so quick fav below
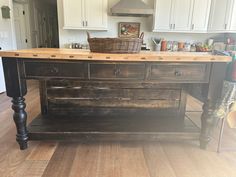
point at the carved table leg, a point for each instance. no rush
(206, 124)
(16, 89)
(20, 118)
(211, 93)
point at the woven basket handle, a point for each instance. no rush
(141, 35)
(88, 35)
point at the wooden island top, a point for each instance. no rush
(77, 54)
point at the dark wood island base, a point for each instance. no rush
(149, 88)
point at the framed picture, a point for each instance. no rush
(129, 29)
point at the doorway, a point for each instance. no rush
(36, 23)
(21, 22)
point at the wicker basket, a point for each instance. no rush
(115, 45)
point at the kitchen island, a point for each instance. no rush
(95, 96)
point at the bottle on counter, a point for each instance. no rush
(163, 45)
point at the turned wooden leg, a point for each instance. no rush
(16, 88)
(207, 121)
(20, 118)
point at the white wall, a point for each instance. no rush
(69, 36)
(7, 40)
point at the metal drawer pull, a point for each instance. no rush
(178, 73)
(117, 71)
(54, 70)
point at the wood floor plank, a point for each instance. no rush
(44, 151)
(180, 161)
(87, 160)
(109, 160)
(61, 161)
(132, 160)
(157, 161)
(208, 163)
(31, 168)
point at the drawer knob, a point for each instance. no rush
(117, 71)
(54, 70)
(178, 73)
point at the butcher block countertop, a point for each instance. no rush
(76, 54)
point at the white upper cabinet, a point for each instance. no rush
(85, 14)
(219, 16)
(201, 11)
(181, 15)
(73, 13)
(232, 17)
(162, 15)
(96, 13)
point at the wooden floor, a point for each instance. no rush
(159, 159)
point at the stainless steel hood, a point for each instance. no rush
(131, 8)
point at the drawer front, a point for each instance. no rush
(180, 72)
(131, 71)
(102, 71)
(55, 70)
(117, 71)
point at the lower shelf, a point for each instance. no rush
(75, 128)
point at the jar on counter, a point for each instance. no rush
(180, 46)
(175, 46)
(187, 47)
(163, 45)
(193, 48)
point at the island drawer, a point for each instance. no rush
(189, 72)
(55, 70)
(117, 71)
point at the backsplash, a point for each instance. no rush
(79, 36)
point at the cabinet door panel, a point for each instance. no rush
(96, 13)
(73, 13)
(219, 15)
(163, 15)
(201, 12)
(233, 16)
(182, 15)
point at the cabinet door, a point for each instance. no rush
(233, 16)
(182, 15)
(219, 15)
(96, 14)
(163, 13)
(73, 13)
(201, 11)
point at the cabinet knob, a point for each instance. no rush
(83, 23)
(86, 23)
(226, 26)
(170, 26)
(173, 26)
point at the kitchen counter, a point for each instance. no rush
(76, 83)
(75, 54)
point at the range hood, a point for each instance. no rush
(135, 8)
